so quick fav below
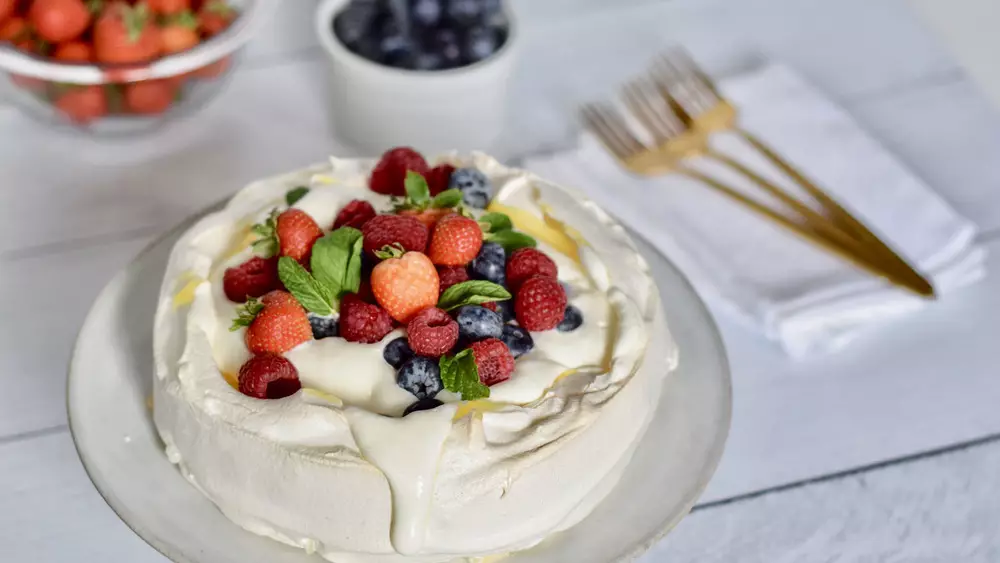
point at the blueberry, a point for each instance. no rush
(444, 42)
(476, 323)
(490, 264)
(480, 43)
(428, 60)
(323, 327)
(506, 310)
(351, 25)
(425, 12)
(517, 339)
(464, 12)
(572, 319)
(420, 376)
(397, 352)
(393, 43)
(475, 186)
(422, 405)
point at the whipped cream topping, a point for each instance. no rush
(335, 470)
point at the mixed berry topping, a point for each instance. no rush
(467, 289)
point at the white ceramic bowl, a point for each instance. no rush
(31, 80)
(375, 107)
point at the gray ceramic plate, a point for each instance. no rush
(111, 377)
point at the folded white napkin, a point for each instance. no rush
(798, 294)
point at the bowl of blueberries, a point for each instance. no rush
(432, 74)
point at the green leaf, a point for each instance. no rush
(246, 314)
(460, 375)
(511, 240)
(447, 198)
(336, 262)
(304, 287)
(417, 190)
(496, 222)
(472, 292)
(267, 245)
(295, 194)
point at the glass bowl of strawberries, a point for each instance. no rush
(113, 67)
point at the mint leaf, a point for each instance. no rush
(496, 222)
(447, 198)
(304, 287)
(472, 292)
(460, 375)
(246, 314)
(294, 195)
(336, 262)
(511, 240)
(267, 245)
(417, 190)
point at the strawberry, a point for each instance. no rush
(149, 97)
(297, 232)
(404, 283)
(212, 70)
(59, 20)
(389, 174)
(125, 34)
(215, 16)
(432, 332)
(438, 178)
(355, 214)
(14, 30)
(268, 376)
(540, 303)
(429, 217)
(253, 278)
(450, 275)
(179, 33)
(7, 8)
(83, 104)
(363, 322)
(526, 262)
(168, 7)
(494, 362)
(385, 230)
(277, 323)
(74, 51)
(456, 241)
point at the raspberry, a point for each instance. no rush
(385, 230)
(253, 278)
(432, 332)
(363, 322)
(456, 240)
(527, 262)
(390, 172)
(354, 214)
(494, 361)
(450, 275)
(540, 303)
(438, 178)
(268, 376)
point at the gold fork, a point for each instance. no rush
(696, 100)
(668, 157)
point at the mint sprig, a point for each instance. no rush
(498, 228)
(417, 190)
(246, 314)
(336, 270)
(266, 245)
(293, 195)
(418, 195)
(473, 292)
(459, 374)
(446, 199)
(494, 222)
(311, 294)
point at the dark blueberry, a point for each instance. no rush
(397, 352)
(394, 45)
(480, 42)
(476, 323)
(423, 405)
(444, 42)
(506, 309)
(425, 12)
(352, 24)
(323, 327)
(464, 12)
(420, 376)
(428, 60)
(475, 186)
(368, 48)
(572, 319)
(517, 339)
(490, 264)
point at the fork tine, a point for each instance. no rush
(641, 104)
(686, 60)
(676, 88)
(696, 83)
(615, 137)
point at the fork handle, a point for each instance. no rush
(845, 219)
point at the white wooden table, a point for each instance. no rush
(887, 452)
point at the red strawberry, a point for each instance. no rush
(215, 16)
(297, 232)
(456, 241)
(74, 52)
(268, 376)
(540, 303)
(83, 104)
(279, 326)
(527, 262)
(363, 322)
(450, 275)
(253, 278)
(432, 332)
(390, 172)
(494, 361)
(150, 97)
(438, 178)
(405, 284)
(429, 217)
(59, 20)
(125, 34)
(384, 230)
(355, 214)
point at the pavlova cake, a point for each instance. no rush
(389, 361)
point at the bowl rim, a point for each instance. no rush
(253, 15)
(327, 10)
